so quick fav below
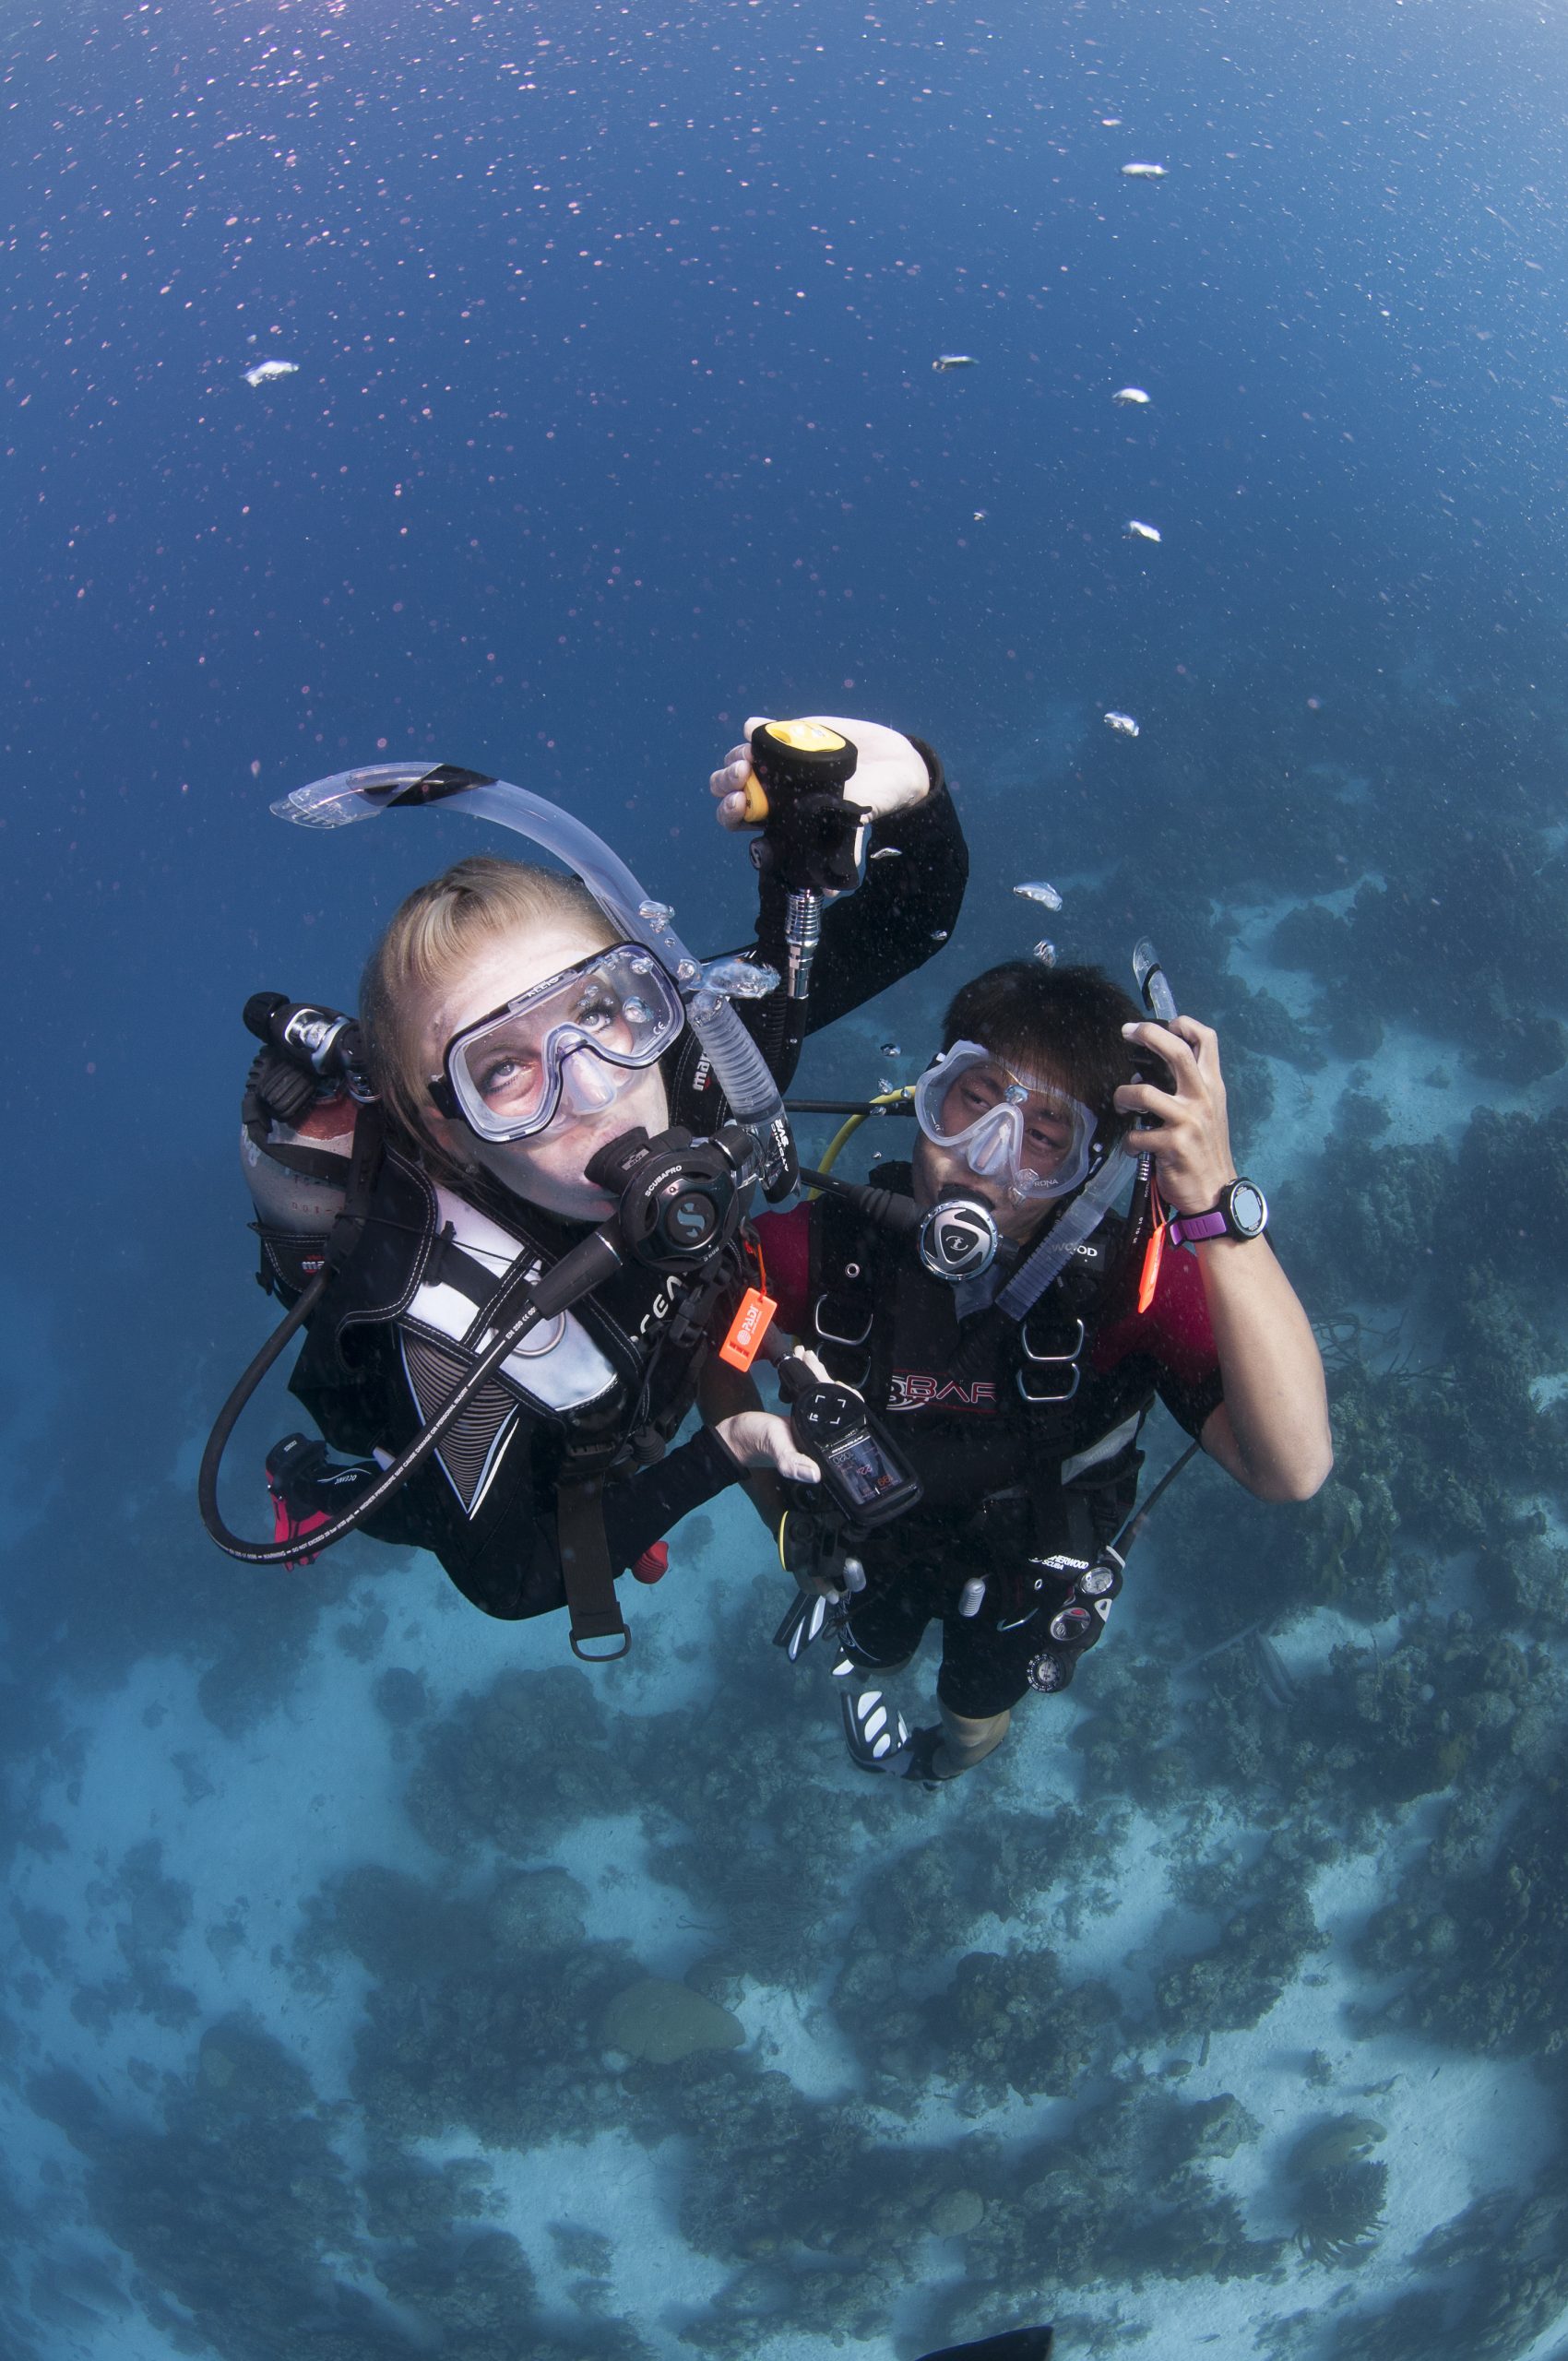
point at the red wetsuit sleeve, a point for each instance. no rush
(1174, 1335)
(786, 1240)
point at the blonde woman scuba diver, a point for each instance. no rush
(1004, 1330)
(508, 1206)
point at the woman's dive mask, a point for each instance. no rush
(577, 1038)
(1009, 1128)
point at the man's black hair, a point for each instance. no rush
(1063, 1024)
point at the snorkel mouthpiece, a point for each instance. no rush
(347, 796)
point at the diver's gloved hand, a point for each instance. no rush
(761, 1439)
(890, 776)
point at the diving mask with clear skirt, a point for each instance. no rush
(1009, 1128)
(578, 1039)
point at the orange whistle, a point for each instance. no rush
(1153, 1254)
(747, 1329)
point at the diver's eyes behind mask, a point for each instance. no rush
(1006, 1126)
(506, 1075)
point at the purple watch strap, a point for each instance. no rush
(1189, 1225)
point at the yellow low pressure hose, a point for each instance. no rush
(851, 1125)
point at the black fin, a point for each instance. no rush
(1015, 2345)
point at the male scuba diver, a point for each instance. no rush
(1005, 1331)
(509, 1205)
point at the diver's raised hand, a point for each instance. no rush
(890, 776)
(762, 1439)
(1190, 1140)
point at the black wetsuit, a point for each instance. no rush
(1008, 1482)
(492, 1505)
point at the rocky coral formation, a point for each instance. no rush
(657, 2022)
(242, 2212)
(1266, 1931)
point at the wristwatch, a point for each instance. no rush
(1243, 1212)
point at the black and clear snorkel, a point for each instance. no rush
(1099, 1193)
(1143, 1213)
(738, 1064)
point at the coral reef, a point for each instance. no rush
(1267, 1930)
(519, 1765)
(1483, 1964)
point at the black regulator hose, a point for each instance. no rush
(884, 1207)
(586, 1267)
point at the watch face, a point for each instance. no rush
(1248, 1209)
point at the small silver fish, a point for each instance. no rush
(1143, 171)
(954, 361)
(1131, 396)
(1046, 953)
(1122, 724)
(740, 978)
(1040, 892)
(265, 372)
(887, 852)
(1138, 531)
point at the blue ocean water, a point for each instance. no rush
(1228, 2007)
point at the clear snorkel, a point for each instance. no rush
(738, 1064)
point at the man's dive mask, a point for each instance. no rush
(1009, 1128)
(577, 1038)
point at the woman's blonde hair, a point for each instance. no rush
(432, 936)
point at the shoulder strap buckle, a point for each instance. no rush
(1048, 1377)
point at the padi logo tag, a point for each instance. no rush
(958, 1240)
